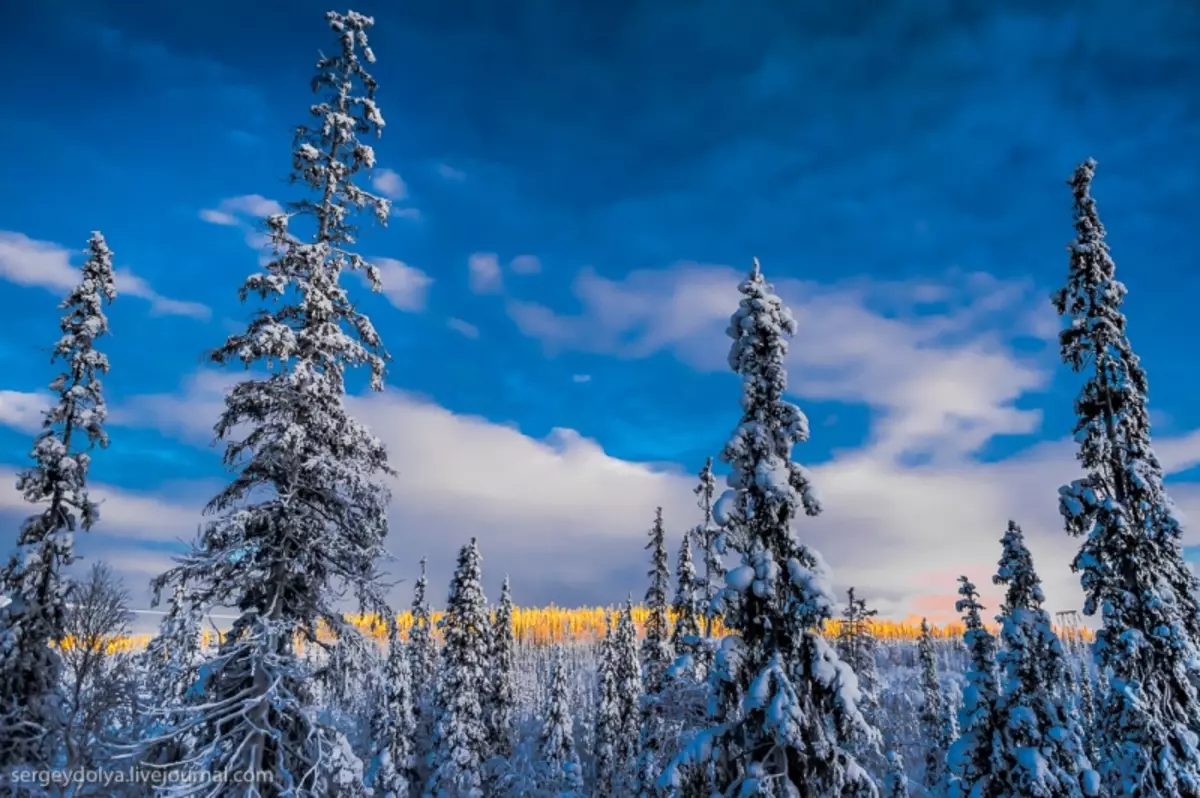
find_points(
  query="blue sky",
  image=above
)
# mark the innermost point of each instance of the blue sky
(578, 187)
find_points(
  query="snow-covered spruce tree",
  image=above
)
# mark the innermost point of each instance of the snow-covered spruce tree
(656, 650)
(685, 633)
(394, 725)
(1131, 561)
(856, 646)
(172, 658)
(707, 534)
(32, 619)
(1041, 743)
(656, 660)
(608, 716)
(933, 728)
(629, 690)
(563, 775)
(420, 638)
(422, 660)
(975, 759)
(460, 739)
(800, 699)
(895, 783)
(1086, 708)
(304, 519)
(171, 668)
(502, 698)
(682, 705)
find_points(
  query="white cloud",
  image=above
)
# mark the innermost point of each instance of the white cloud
(43, 264)
(411, 214)
(125, 515)
(389, 184)
(580, 378)
(525, 264)
(33, 263)
(23, 411)
(943, 385)
(450, 173)
(233, 209)
(1179, 454)
(407, 288)
(464, 328)
(214, 216)
(485, 275)
(137, 533)
(246, 213)
(188, 416)
(567, 520)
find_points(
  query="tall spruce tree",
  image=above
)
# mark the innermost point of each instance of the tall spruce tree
(33, 618)
(975, 759)
(170, 670)
(608, 716)
(630, 691)
(1041, 742)
(394, 725)
(422, 653)
(856, 645)
(934, 732)
(420, 637)
(656, 650)
(304, 519)
(687, 624)
(800, 699)
(502, 706)
(707, 535)
(1131, 561)
(564, 777)
(460, 740)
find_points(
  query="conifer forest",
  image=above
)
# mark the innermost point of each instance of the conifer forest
(736, 671)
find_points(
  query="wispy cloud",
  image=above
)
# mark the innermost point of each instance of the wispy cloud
(581, 378)
(564, 517)
(389, 183)
(23, 411)
(448, 172)
(464, 328)
(235, 210)
(931, 361)
(406, 287)
(246, 212)
(410, 214)
(43, 264)
(484, 273)
(525, 264)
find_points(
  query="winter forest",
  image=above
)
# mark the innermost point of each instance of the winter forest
(738, 672)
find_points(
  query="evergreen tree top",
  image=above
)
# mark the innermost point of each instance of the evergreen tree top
(659, 573)
(705, 491)
(466, 586)
(506, 600)
(1092, 296)
(419, 588)
(763, 477)
(981, 644)
(1016, 571)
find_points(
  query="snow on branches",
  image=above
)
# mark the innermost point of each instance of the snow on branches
(34, 616)
(1130, 562)
(304, 518)
(799, 699)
